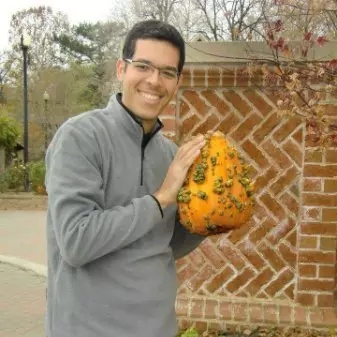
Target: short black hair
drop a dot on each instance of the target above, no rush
(154, 30)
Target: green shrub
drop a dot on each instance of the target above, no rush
(3, 183)
(9, 132)
(13, 178)
(37, 173)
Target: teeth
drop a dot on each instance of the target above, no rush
(150, 96)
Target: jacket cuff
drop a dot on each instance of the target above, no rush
(158, 203)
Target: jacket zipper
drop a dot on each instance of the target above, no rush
(143, 146)
(142, 161)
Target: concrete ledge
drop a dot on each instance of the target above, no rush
(22, 195)
(23, 201)
(36, 268)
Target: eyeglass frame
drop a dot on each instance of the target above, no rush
(153, 67)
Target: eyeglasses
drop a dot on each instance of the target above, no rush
(147, 67)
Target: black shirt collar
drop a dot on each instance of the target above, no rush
(159, 125)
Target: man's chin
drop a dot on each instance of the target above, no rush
(149, 118)
(148, 115)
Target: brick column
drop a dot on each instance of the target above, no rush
(317, 249)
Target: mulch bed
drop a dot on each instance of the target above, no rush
(266, 332)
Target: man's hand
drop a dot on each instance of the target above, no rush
(176, 174)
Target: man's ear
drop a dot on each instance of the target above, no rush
(120, 69)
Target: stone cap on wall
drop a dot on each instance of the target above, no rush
(234, 52)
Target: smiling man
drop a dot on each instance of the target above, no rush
(112, 180)
(152, 79)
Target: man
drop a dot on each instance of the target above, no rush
(112, 181)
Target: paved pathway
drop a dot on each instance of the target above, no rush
(22, 234)
(22, 304)
(22, 293)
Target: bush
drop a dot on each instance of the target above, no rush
(37, 173)
(13, 178)
(9, 132)
(3, 183)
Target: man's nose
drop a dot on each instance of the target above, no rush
(154, 77)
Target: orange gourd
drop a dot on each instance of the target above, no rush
(217, 194)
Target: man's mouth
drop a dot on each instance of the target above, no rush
(150, 97)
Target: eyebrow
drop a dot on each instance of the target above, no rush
(150, 63)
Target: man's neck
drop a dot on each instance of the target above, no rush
(147, 125)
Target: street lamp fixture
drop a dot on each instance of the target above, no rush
(25, 44)
(25, 40)
(46, 96)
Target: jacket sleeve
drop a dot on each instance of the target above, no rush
(183, 242)
(84, 230)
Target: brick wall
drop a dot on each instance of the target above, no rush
(280, 268)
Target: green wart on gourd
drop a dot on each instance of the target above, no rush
(218, 185)
(199, 174)
(184, 195)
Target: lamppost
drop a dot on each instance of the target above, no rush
(46, 124)
(25, 43)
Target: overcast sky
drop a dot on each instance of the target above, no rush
(76, 10)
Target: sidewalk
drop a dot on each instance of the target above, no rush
(22, 234)
(22, 304)
(22, 292)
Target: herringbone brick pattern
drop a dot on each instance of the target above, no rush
(258, 260)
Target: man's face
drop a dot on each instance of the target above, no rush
(146, 91)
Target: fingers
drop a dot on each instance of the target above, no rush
(189, 138)
(191, 156)
(187, 154)
(194, 144)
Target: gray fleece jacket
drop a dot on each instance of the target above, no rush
(111, 252)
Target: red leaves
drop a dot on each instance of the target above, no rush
(308, 36)
(277, 43)
(321, 40)
(309, 42)
(278, 26)
(334, 139)
(280, 44)
(333, 64)
(274, 27)
(301, 94)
